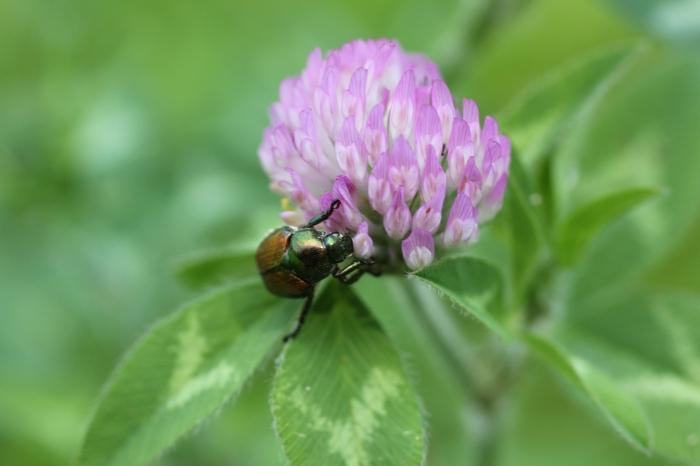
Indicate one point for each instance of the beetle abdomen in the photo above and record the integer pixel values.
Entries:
(271, 250)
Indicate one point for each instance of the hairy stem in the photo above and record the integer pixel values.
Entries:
(486, 377)
(441, 329)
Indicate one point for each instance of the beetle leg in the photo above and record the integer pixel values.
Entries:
(354, 271)
(350, 278)
(340, 274)
(323, 216)
(302, 317)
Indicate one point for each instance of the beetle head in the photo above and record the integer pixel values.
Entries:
(339, 246)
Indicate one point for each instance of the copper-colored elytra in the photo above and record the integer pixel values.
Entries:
(271, 250)
(286, 284)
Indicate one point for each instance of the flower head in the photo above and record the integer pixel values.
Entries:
(377, 128)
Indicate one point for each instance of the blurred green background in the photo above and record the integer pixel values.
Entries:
(128, 137)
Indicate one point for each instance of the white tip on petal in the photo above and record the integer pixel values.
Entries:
(362, 243)
(418, 249)
(397, 220)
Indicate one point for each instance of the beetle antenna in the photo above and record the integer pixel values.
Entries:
(323, 216)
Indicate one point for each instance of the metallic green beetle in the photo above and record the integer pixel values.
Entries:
(292, 261)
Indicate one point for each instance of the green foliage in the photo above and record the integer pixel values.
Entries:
(340, 393)
(619, 409)
(675, 20)
(641, 137)
(571, 435)
(128, 135)
(544, 113)
(215, 266)
(672, 405)
(526, 229)
(579, 227)
(664, 379)
(472, 285)
(401, 309)
(182, 371)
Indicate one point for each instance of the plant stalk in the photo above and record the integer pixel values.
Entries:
(484, 396)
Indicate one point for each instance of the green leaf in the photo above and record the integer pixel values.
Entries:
(526, 231)
(472, 285)
(578, 228)
(672, 405)
(423, 328)
(548, 109)
(550, 427)
(340, 394)
(215, 267)
(661, 369)
(679, 316)
(641, 136)
(621, 411)
(680, 267)
(182, 371)
(676, 20)
(672, 401)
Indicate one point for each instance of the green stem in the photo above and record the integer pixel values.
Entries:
(488, 435)
(484, 390)
(441, 330)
